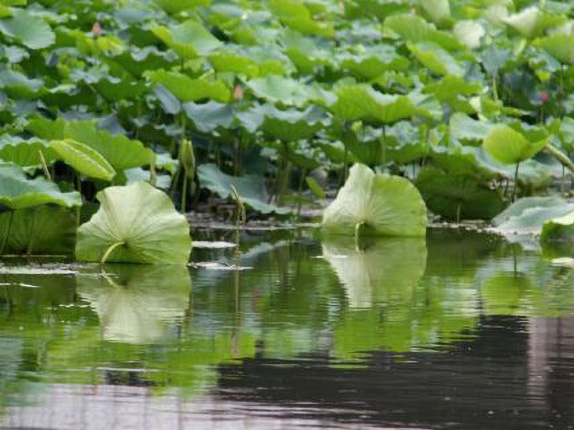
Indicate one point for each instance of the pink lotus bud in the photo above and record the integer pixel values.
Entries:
(97, 29)
(238, 93)
(544, 96)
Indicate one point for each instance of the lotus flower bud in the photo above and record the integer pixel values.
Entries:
(187, 157)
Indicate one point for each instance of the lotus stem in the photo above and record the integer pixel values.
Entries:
(357, 231)
(44, 165)
(458, 205)
(184, 191)
(241, 214)
(7, 233)
(300, 191)
(560, 156)
(515, 182)
(110, 250)
(152, 172)
(384, 149)
(29, 249)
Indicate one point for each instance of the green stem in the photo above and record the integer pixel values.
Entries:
(152, 172)
(184, 192)
(357, 231)
(7, 234)
(560, 156)
(458, 213)
(44, 165)
(515, 182)
(384, 149)
(110, 250)
(300, 191)
(29, 249)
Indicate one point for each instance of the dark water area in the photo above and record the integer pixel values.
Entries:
(459, 331)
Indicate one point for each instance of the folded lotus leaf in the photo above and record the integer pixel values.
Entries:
(135, 224)
(381, 204)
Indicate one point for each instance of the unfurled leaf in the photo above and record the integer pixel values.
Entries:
(189, 89)
(19, 192)
(509, 146)
(135, 224)
(26, 153)
(377, 204)
(28, 29)
(437, 10)
(436, 59)
(189, 39)
(84, 159)
(561, 46)
(41, 230)
(251, 188)
(295, 14)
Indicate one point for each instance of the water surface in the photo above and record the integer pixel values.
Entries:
(460, 331)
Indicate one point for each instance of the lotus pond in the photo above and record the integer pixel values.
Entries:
(461, 330)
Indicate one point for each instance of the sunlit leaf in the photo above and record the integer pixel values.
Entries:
(84, 159)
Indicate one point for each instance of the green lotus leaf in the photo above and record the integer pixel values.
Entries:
(47, 129)
(28, 29)
(415, 29)
(354, 102)
(296, 15)
(451, 87)
(210, 116)
(559, 233)
(304, 52)
(26, 153)
(234, 63)
(529, 214)
(19, 192)
(292, 125)
(374, 61)
(531, 21)
(470, 33)
(136, 60)
(84, 159)
(560, 46)
(457, 197)
(381, 270)
(462, 127)
(436, 59)
(113, 89)
(177, 6)
(188, 89)
(380, 204)
(135, 224)
(251, 188)
(119, 151)
(509, 146)
(41, 230)
(189, 39)
(437, 10)
(135, 304)
(277, 89)
(18, 85)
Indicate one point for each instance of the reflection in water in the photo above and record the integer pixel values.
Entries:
(464, 331)
(380, 270)
(134, 303)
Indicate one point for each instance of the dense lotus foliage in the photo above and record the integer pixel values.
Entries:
(470, 100)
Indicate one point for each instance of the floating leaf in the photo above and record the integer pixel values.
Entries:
(295, 14)
(84, 159)
(135, 224)
(415, 29)
(559, 232)
(380, 204)
(30, 30)
(436, 59)
(19, 192)
(509, 146)
(528, 215)
(177, 6)
(251, 188)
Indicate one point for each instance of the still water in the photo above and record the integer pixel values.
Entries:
(461, 331)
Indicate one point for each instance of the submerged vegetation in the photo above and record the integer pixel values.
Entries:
(264, 103)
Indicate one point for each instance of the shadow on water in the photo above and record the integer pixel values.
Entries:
(459, 331)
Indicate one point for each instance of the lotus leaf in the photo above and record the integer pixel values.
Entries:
(251, 188)
(436, 59)
(40, 230)
(561, 46)
(26, 153)
(137, 304)
(457, 197)
(559, 230)
(19, 192)
(187, 89)
(510, 146)
(30, 30)
(294, 14)
(415, 29)
(84, 159)
(379, 204)
(178, 6)
(470, 33)
(437, 10)
(189, 39)
(135, 224)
